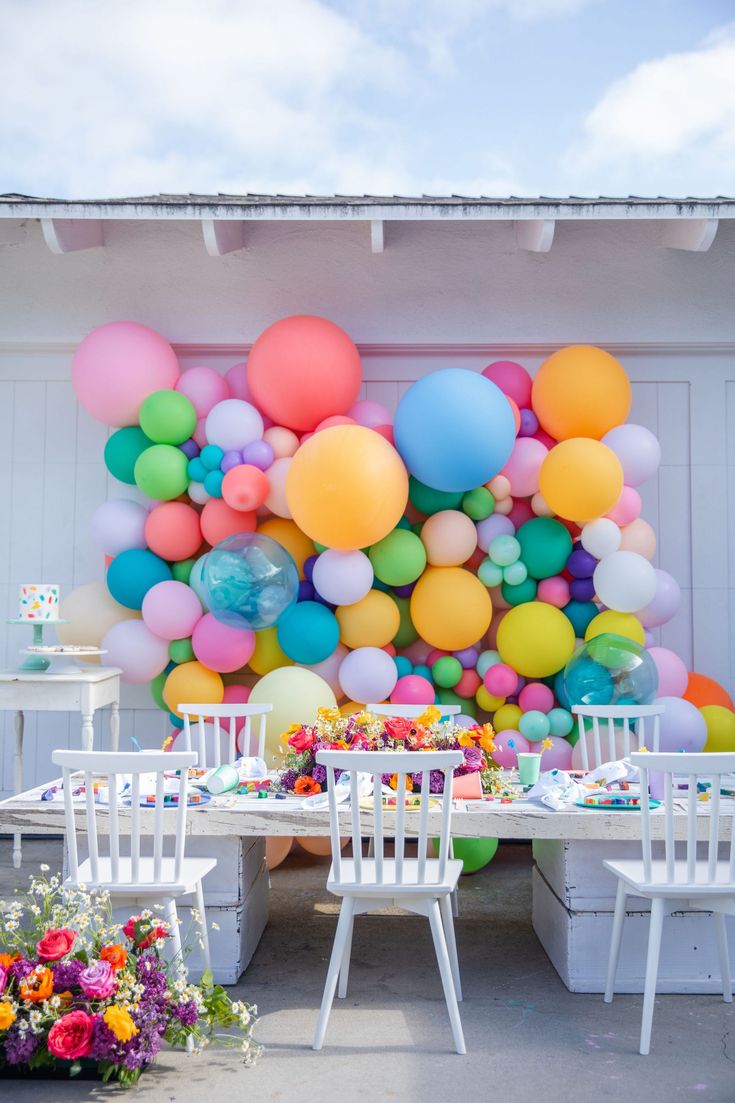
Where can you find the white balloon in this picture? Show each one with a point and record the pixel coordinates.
(198, 494)
(232, 424)
(277, 474)
(601, 537)
(119, 525)
(342, 577)
(368, 674)
(637, 449)
(624, 581)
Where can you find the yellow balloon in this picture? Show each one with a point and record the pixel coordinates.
(581, 391)
(349, 708)
(620, 624)
(91, 611)
(720, 728)
(487, 701)
(296, 695)
(268, 655)
(347, 487)
(450, 608)
(581, 479)
(192, 683)
(507, 717)
(289, 536)
(371, 622)
(536, 639)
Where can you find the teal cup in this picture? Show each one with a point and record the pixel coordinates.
(529, 767)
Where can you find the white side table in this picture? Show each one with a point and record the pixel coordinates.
(84, 690)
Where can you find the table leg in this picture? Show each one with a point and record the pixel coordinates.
(18, 779)
(114, 726)
(87, 731)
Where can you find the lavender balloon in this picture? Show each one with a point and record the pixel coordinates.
(230, 459)
(529, 424)
(664, 604)
(258, 454)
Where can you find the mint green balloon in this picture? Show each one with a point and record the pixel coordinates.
(504, 550)
(161, 472)
(399, 558)
(489, 573)
(475, 854)
(561, 722)
(181, 651)
(515, 573)
(167, 417)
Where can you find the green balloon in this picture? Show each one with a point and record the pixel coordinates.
(181, 651)
(161, 472)
(474, 853)
(406, 634)
(428, 500)
(478, 503)
(181, 570)
(545, 546)
(167, 417)
(399, 558)
(468, 705)
(122, 451)
(446, 671)
(520, 594)
(157, 685)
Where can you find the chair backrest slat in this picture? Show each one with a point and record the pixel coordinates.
(423, 839)
(202, 713)
(714, 833)
(91, 825)
(400, 835)
(71, 833)
(135, 828)
(691, 827)
(356, 833)
(446, 813)
(379, 848)
(596, 747)
(114, 829)
(669, 847)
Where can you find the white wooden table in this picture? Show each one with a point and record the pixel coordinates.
(84, 691)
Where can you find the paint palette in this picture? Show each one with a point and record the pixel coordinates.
(614, 802)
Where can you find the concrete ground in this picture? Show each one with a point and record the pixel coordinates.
(529, 1040)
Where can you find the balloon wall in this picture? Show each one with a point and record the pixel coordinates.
(482, 545)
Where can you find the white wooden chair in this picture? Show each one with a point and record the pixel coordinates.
(410, 711)
(421, 885)
(134, 877)
(199, 714)
(691, 882)
(604, 742)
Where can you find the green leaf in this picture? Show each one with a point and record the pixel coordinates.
(74, 1069)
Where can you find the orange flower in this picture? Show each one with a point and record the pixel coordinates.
(6, 960)
(394, 782)
(38, 985)
(306, 786)
(116, 955)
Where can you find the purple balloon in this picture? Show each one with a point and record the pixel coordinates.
(529, 424)
(582, 589)
(259, 454)
(230, 460)
(404, 591)
(683, 728)
(495, 525)
(309, 566)
(190, 448)
(581, 564)
(664, 603)
(468, 657)
(306, 591)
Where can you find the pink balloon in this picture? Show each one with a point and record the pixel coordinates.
(200, 433)
(521, 512)
(418, 652)
(513, 380)
(117, 366)
(334, 419)
(553, 591)
(385, 431)
(412, 689)
(522, 469)
(672, 672)
(492, 526)
(171, 610)
(370, 414)
(236, 695)
(204, 387)
(501, 680)
(536, 697)
(434, 656)
(220, 647)
(236, 378)
(508, 745)
(627, 508)
(558, 756)
(132, 646)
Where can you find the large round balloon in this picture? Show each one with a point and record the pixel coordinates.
(296, 695)
(173, 531)
(117, 366)
(535, 639)
(580, 391)
(610, 670)
(119, 525)
(450, 538)
(288, 534)
(523, 467)
(637, 449)
(513, 380)
(625, 581)
(308, 632)
(619, 624)
(347, 487)
(454, 429)
(302, 370)
(233, 424)
(171, 610)
(220, 646)
(191, 683)
(91, 611)
(132, 646)
(702, 690)
(400, 557)
(250, 581)
(720, 724)
(682, 726)
(368, 674)
(132, 573)
(371, 622)
(474, 854)
(450, 608)
(581, 479)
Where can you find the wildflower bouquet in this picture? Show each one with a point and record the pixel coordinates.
(76, 989)
(363, 731)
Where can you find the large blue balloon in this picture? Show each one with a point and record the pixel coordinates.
(610, 670)
(308, 632)
(249, 581)
(454, 429)
(132, 573)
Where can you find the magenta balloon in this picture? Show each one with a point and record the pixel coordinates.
(558, 756)
(204, 387)
(220, 647)
(136, 650)
(665, 602)
(672, 672)
(171, 610)
(501, 680)
(494, 525)
(370, 414)
(513, 380)
(117, 366)
(368, 674)
(412, 689)
(508, 745)
(683, 728)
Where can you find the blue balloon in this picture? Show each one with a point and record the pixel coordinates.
(196, 470)
(132, 573)
(610, 670)
(213, 483)
(454, 429)
(250, 581)
(211, 456)
(308, 632)
(403, 665)
(423, 672)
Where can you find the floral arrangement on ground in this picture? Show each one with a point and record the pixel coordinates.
(77, 990)
(363, 731)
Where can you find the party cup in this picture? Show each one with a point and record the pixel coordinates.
(529, 767)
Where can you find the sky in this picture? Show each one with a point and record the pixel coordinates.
(104, 98)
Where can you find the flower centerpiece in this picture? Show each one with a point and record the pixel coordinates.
(77, 990)
(363, 731)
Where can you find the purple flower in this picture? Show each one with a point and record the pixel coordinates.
(105, 1046)
(186, 1013)
(319, 773)
(473, 758)
(66, 974)
(288, 779)
(3, 978)
(20, 1046)
(20, 969)
(98, 980)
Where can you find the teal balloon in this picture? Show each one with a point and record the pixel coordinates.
(581, 614)
(545, 546)
(518, 595)
(404, 666)
(534, 725)
(587, 682)
(489, 573)
(560, 691)
(211, 456)
(176, 721)
(122, 451)
(428, 501)
(196, 470)
(610, 670)
(196, 581)
(423, 672)
(308, 632)
(213, 483)
(475, 854)
(486, 660)
(561, 722)
(132, 573)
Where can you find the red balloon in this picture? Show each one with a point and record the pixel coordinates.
(385, 431)
(302, 370)
(245, 487)
(172, 530)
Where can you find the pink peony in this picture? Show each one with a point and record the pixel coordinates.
(71, 1035)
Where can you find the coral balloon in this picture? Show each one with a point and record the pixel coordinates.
(450, 608)
(581, 479)
(245, 487)
(219, 520)
(450, 538)
(702, 691)
(173, 531)
(371, 622)
(296, 695)
(535, 639)
(190, 683)
(581, 391)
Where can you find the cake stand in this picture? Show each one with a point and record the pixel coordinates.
(34, 660)
(61, 662)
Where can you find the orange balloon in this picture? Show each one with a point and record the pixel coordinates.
(581, 391)
(192, 682)
(290, 537)
(319, 845)
(219, 521)
(277, 849)
(581, 479)
(172, 530)
(450, 608)
(702, 691)
(371, 622)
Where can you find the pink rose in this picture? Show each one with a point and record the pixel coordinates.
(302, 740)
(71, 1035)
(98, 980)
(55, 944)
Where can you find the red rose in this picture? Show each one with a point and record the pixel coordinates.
(148, 933)
(55, 944)
(399, 727)
(302, 740)
(71, 1035)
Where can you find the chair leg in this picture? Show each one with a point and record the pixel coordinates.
(344, 969)
(455, 894)
(172, 918)
(204, 931)
(335, 962)
(725, 971)
(445, 971)
(649, 992)
(448, 921)
(617, 936)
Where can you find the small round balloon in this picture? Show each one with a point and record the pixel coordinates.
(250, 581)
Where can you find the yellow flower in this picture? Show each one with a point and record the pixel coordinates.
(429, 716)
(291, 730)
(547, 744)
(466, 741)
(7, 1015)
(119, 1022)
(329, 714)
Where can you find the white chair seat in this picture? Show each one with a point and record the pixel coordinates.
(631, 870)
(411, 883)
(192, 871)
